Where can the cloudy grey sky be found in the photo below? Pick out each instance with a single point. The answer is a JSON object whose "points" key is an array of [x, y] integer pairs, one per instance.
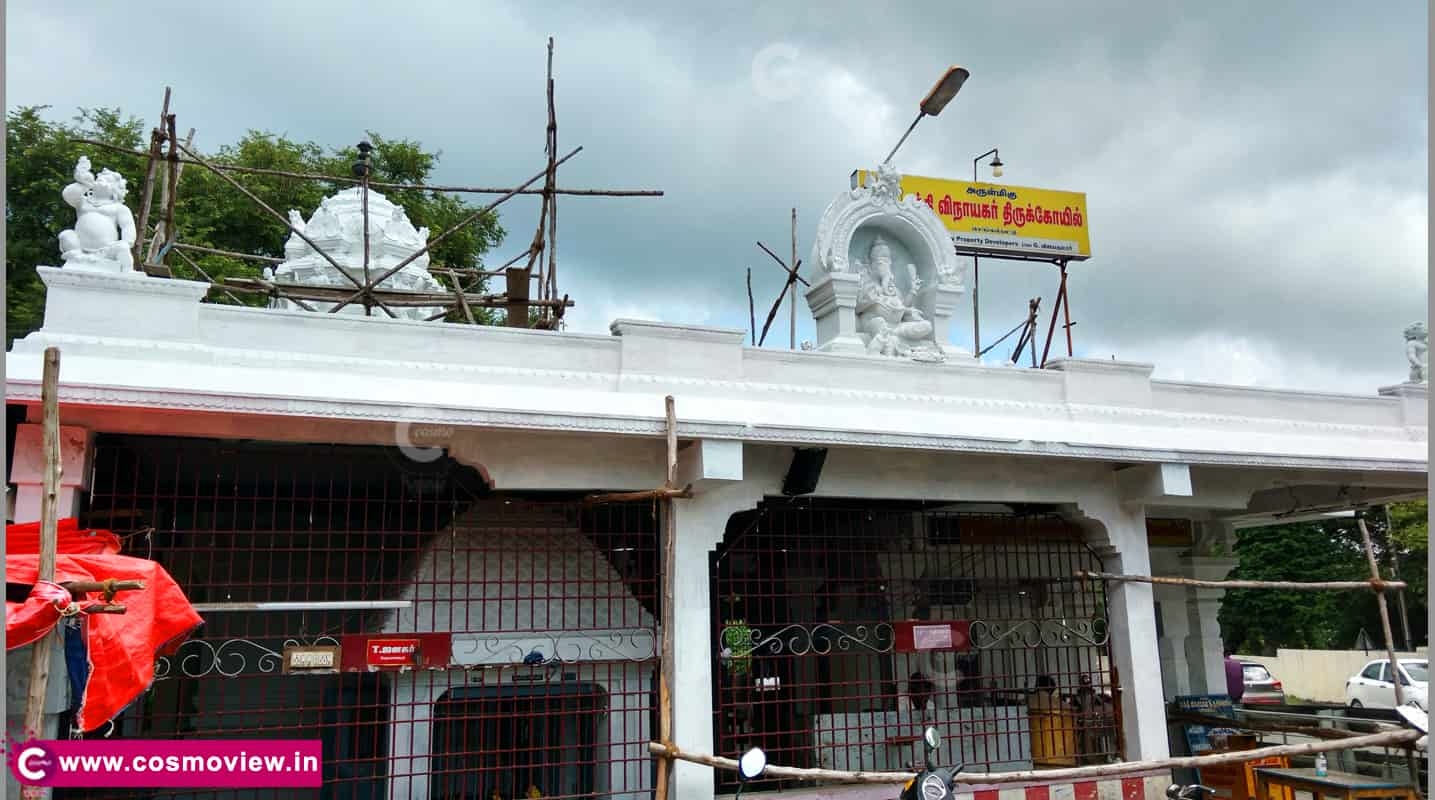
{"points": [[1255, 172]]}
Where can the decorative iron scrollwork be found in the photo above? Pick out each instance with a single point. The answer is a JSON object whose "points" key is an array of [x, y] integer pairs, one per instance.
{"points": [[198, 658], [636, 645], [1032, 633], [820, 638]]}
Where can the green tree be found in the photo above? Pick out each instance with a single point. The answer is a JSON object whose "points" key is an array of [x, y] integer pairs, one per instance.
{"points": [[40, 156], [1261, 620]]}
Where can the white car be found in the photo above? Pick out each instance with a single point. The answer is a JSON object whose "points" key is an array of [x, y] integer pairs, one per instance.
{"points": [[1372, 687]]}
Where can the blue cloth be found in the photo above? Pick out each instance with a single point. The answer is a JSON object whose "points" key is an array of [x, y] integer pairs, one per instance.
{"points": [[77, 661]]}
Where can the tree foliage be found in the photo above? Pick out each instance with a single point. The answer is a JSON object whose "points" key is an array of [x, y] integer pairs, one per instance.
{"points": [[40, 157], [1258, 621]]}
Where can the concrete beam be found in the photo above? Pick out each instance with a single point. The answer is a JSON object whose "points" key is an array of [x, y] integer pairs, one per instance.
{"points": [[1145, 484], [707, 461]]}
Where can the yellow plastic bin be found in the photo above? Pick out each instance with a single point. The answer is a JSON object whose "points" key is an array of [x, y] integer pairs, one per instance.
{"points": [[1053, 738]]}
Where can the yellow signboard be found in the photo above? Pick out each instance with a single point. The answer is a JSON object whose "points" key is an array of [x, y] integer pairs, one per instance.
{"points": [[997, 219]]}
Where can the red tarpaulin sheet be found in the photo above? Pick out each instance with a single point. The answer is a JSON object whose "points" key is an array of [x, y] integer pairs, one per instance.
{"points": [[121, 647]]}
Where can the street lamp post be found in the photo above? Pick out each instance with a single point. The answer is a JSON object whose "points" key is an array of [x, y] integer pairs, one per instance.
{"points": [[942, 93], [996, 165]]}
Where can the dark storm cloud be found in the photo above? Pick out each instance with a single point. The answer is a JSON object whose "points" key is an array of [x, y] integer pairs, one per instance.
{"points": [[1255, 172]]}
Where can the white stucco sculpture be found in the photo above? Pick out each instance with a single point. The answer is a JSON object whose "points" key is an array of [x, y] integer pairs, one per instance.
{"points": [[337, 226], [887, 315], [103, 238], [1417, 351], [864, 304]]}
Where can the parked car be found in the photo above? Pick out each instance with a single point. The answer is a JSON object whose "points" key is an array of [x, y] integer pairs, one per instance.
{"points": [[1372, 687], [1261, 685]]}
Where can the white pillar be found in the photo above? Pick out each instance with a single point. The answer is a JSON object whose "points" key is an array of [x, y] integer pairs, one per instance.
{"points": [[699, 525], [1210, 559], [27, 471], [1132, 623]]}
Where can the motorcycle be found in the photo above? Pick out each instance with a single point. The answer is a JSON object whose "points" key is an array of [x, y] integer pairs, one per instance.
{"points": [[931, 782], [1192, 791]]}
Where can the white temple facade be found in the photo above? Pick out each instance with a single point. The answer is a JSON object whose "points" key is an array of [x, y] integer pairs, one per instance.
{"points": [[923, 576]]}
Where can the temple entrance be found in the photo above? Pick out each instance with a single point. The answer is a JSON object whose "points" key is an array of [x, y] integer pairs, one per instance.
{"points": [[481, 641], [843, 628]]}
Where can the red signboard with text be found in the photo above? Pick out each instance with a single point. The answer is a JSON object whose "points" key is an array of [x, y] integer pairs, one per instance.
{"points": [[370, 652], [917, 636]]}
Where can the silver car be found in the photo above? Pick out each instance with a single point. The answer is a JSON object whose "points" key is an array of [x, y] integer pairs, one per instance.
{"points": [[1261, 685]]}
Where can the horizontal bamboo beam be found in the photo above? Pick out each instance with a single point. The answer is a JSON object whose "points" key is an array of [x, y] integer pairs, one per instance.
{"points": [[216, 251], [1404, 737], [397, 298], [661, 493], [1216, 721], [279, 173], [1299, 586]]}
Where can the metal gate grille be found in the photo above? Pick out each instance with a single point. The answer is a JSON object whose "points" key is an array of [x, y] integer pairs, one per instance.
{"points": [[527, 623], [842, 629]]}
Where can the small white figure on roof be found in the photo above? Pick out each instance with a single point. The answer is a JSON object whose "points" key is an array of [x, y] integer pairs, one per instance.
{"points": [[103, 238], [1417, 351]]}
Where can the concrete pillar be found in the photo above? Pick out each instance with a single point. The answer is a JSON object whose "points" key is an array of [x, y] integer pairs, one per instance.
{"points": [[699, 525], [1119, 533], [27, 471]]}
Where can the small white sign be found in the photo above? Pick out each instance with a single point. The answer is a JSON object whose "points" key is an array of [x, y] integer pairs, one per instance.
{"points": [[311, 659], [932, 637]]}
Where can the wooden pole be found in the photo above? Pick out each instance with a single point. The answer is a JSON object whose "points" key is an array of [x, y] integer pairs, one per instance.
{"points": [[1051, 329], [215, 251], [517, 292], [1404, 737], [1379, 587], [1318, 586], [49, 520], [792, 306], [421, 187], [751, 317], [166, 230], [155, 137], [667, 675]]}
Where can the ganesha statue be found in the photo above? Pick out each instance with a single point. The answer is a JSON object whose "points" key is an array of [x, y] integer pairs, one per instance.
{"points": [[887, 315], [103, 238]]}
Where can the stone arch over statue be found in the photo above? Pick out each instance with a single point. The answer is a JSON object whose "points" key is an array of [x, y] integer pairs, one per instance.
{"points": [[886, 275]]}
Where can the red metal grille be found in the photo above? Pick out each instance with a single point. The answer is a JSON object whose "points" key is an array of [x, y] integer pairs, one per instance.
{"points": [[529, 620], [824, 612]]}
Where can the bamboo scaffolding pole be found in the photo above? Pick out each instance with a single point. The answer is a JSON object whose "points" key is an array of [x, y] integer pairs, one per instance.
{"points": [[667, 676], [772, 313], [232, 254], [1380, 587], [1402, 737], [197, 268], [1215, 721], [380, 185], [663, 493], [156, 136], [162, 230], [49, 535], [317, 249], [466, 221], [1376, 584], [398, 298]]}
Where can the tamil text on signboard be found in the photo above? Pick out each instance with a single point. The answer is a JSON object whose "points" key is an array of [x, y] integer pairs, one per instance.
{"points": [[997, 219]]}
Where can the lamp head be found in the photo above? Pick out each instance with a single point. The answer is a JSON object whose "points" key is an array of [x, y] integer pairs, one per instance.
{"points": [[944, 90], [752, 764], [996, 165]]}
